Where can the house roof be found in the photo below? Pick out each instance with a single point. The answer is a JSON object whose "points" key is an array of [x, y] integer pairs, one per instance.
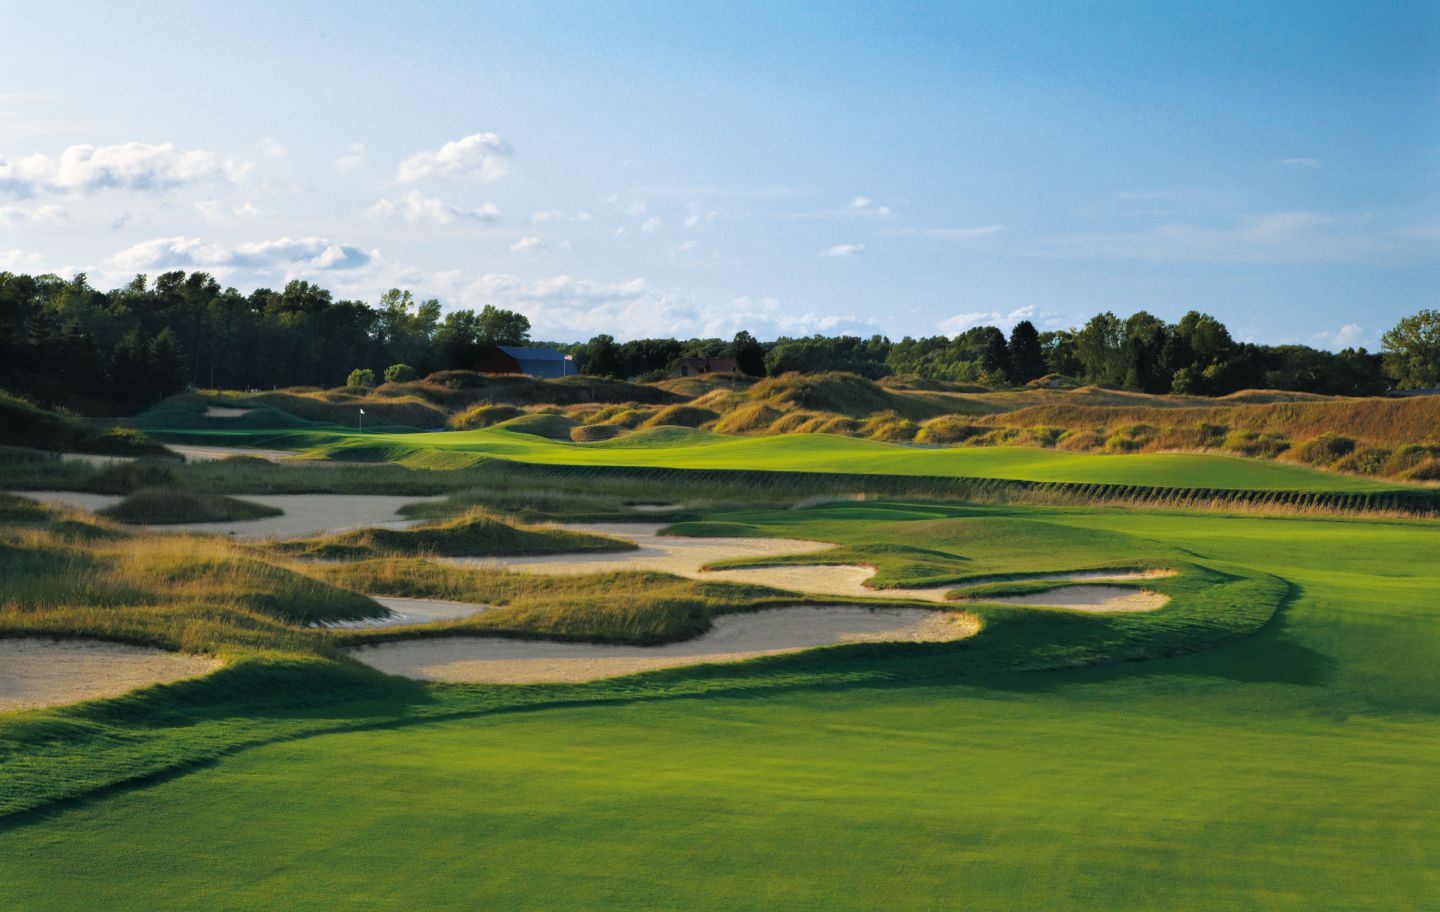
{"points": [[531, 354]]}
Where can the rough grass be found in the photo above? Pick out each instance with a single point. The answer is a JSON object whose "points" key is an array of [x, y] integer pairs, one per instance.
{"points": [[161, 506], [474, 533], [24, 424]]}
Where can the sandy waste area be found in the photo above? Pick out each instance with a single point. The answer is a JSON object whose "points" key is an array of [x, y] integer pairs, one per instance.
{"points": [[405, 611], [733, 638], [1095, 599], [305, 514], [38, 672]]}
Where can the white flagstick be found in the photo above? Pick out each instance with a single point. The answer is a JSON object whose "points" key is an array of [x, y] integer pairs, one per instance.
{"points": [[362, 420]]}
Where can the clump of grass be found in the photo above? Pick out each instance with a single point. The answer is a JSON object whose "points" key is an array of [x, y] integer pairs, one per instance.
{"points": [[474, 533], [162, 506], [948, 429], [1256, 444], [889, 426], [553, 427], [591, 433], [690, 416], [1324, 449], [483, 416]]}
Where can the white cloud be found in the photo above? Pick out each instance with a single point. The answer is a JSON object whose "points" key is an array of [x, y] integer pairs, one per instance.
{"points": [[217, 212], [865, 206], [352, 159], [126, 166], [479, 156], [1301, 162], [842, 250], [271, 147], [19, 215], [563, 307], [688, 246], [697, 216], [284, 257], [651, 224], [527, 245], [631, 207], [415, 208], [545, 216], [1006, 321], [17, 260], [1348, 336]]}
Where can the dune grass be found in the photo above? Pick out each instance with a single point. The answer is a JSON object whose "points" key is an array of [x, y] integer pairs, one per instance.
{"points": [[163, 506], [474, 533]]}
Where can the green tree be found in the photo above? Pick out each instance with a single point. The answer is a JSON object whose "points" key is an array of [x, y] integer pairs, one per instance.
{"points": [[1027, 360], [749, 354], [1098, 348], [361, 376], [1412, 351], [501, 327], [601, 357], [399, 373], [168, 367]]}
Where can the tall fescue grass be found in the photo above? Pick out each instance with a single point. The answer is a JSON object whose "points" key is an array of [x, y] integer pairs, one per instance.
{"points": [[161, 506], [476, 532]]}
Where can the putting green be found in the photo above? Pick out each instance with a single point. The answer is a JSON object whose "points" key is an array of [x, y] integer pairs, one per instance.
{"points": [[805, 453], [1290, 770]]}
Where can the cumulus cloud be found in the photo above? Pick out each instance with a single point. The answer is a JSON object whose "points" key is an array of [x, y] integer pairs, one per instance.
{"points": [[555, 215], [284, 257], [842, 250], [479, 156], [271, 147], [218, 212], [1006, 321], [126, 166], [17, 260], [19, 215], [651, 224], [527, 245], [415, 208], [353, 158], [1348, 336], [696, 216], [564, 307]]}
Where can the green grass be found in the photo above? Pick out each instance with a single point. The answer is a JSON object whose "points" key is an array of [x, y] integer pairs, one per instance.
{"points": [[803, 453], [1290, 769]]}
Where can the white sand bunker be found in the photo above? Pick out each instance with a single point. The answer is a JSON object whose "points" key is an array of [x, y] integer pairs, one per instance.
{"points": [[1096, 599], [305, 514], [405, 611], [733, 638], [666, 553], [35, 672], [220, 411], [212, 453], [847, 579]]}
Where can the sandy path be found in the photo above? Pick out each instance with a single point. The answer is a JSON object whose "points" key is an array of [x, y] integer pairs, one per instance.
{"points": [[1096, 599], [733, 638], [305, 514], [35, 672], [411, 611]]}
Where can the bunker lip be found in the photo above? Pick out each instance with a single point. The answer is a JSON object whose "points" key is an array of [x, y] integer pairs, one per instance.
{"points": [[1093, 599], [732, 638], [36, 672]]}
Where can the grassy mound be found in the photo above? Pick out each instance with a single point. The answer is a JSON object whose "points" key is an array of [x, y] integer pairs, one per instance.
{"points": [[25, 424], [551, 427], [484, 416], [689, 416], [161, 506], [476, 533], [594, 433]]}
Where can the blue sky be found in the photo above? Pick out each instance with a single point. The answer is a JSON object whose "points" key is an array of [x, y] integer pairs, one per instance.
{"points": [[687, 168]]}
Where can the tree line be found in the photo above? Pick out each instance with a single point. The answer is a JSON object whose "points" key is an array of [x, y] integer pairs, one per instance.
{"points": [[65, 342]]}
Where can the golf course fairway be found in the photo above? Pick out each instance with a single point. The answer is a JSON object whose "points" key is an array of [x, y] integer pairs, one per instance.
{"points": [[1292, 769]]}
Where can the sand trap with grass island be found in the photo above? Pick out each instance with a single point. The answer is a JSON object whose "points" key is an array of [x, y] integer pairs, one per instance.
{"points": [[732, 638], [406, 611], [37, 672], [304, 515], [687, 557]]}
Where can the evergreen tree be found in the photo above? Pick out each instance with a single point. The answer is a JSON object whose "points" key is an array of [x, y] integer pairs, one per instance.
{"points": [[749, 354], [168, 369], [1027, 360]]}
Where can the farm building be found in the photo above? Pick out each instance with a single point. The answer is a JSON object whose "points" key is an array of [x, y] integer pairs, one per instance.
{"points": [[537, 362], [692, 367]]}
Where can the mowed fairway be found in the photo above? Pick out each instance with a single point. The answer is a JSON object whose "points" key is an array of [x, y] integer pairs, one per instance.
{"points": [[1294, 770], [808, 453]]}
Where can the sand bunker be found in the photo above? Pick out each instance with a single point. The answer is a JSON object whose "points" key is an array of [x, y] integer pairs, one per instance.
{"points": [[686, 556], [305, 514], [219, 411], [734, 637], [668, 554], [410, 611], [212, 453], [1096, 599], [35, 673]]}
